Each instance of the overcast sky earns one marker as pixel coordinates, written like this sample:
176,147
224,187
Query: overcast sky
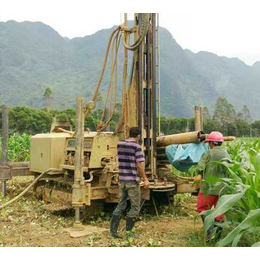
228,28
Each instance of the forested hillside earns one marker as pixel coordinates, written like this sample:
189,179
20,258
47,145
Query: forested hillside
33,57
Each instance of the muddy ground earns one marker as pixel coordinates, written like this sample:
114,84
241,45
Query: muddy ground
26,223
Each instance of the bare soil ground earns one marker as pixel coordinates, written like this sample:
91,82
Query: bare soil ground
26,223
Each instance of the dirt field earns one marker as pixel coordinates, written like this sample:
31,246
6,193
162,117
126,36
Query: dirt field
26,223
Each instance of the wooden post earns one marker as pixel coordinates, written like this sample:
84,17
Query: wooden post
198,119
4,159
77,194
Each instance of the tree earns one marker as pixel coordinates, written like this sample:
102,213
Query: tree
244,114
205,114
29,120
210,125
243,128
48,97
256,127
224,114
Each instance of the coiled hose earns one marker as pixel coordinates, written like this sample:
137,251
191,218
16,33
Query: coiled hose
143,31
29,187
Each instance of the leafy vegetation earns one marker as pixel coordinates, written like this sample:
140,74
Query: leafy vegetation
18,148
242,201
32,121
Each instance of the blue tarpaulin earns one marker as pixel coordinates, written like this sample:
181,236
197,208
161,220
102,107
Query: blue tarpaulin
183,156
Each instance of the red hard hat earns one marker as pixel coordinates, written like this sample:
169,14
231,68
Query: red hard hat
215,137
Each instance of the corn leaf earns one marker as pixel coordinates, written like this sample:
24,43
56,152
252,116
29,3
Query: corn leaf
225,203
249,222
236,239
257,244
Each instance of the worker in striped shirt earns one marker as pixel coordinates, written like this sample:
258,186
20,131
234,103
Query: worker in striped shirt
130,159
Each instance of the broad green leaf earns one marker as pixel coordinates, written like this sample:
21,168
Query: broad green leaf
257,163
249,221
224,204
257,244
257,193
234,175
236,239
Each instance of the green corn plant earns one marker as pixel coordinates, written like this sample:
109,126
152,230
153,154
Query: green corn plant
235,235
241,203
18,148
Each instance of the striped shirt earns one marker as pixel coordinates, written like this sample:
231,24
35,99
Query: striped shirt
129,153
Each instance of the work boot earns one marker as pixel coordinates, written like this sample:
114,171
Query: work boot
115,220
130,222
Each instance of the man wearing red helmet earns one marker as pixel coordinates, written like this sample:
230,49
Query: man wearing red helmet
208,166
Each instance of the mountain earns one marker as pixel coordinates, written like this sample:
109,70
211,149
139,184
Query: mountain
34,56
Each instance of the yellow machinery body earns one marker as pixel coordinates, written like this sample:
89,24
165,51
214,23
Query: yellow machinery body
100,167
57,150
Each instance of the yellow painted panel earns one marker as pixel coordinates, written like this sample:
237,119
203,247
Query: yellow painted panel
47,151
103,146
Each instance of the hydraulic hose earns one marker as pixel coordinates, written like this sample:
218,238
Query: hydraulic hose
29,187
103,69
143,31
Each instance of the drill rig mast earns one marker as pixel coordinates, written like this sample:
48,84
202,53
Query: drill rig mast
139,100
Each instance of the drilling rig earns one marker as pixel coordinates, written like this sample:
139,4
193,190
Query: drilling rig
83,166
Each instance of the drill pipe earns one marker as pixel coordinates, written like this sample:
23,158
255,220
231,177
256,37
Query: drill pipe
183,138
226,138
